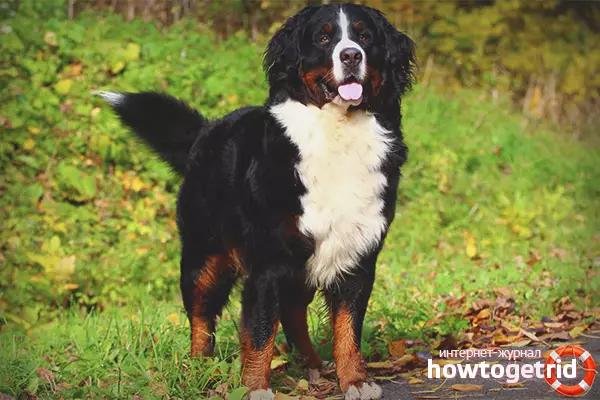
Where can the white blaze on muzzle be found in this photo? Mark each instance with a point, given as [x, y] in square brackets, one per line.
[350, 91]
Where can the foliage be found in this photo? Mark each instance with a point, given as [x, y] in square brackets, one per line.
[537, 52]
[88, 214]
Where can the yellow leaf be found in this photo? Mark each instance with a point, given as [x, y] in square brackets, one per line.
[34, 129]
[416, 381]
[63, 87]
[465, 387]
[71, 286]
[174, 319]
[380, 364]
[578, 330]
[29, 144]
[470, 247]
[302, 384]
[446, 362]
[277, 362]
[137, 184]
[117, 67]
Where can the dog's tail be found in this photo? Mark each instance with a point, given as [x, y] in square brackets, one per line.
[169, 126]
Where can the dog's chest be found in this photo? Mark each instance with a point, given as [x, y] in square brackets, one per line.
[340, 160]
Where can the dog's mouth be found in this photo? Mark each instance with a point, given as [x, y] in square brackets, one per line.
[350, 90]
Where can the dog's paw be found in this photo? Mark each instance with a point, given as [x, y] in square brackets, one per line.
[363, 391]
[260, 394]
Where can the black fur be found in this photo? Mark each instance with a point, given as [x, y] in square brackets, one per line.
[241, 191]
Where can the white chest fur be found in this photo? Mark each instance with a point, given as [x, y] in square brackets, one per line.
[340, 156]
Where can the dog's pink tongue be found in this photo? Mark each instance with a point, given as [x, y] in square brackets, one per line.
[350, 91]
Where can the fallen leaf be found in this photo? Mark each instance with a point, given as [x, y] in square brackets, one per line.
[465, 387]
[281, 396]
[446, 362]
[483, 314]
[513, 385]
[449, 343]
[381, 364]
[302, 384]
[396, 348]
[502, 291]
[553, 325]
[530, 335]
[556, 336]
[277, 362]
[416, 381]
[578, 330]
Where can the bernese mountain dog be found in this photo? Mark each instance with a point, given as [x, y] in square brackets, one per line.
[293, 196]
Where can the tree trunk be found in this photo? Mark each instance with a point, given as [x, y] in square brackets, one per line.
[71, 9]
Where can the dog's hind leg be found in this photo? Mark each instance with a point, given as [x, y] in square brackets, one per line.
[206, 282]
[260, 321]
[294, 300]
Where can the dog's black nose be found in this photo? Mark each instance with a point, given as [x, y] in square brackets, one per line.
[351, 56]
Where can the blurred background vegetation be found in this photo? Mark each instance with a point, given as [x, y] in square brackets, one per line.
[543, 54]
[499, 204]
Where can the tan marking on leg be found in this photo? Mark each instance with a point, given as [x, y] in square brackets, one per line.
[294, 320]
[349, 365]
[203, 326]
[256, 363]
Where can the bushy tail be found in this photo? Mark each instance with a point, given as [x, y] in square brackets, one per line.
[168, 125]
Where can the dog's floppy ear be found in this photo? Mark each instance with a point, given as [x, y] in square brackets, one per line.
[401, 58]
[282, 56]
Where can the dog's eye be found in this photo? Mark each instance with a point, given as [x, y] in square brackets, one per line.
[324, 39]
[364, 38]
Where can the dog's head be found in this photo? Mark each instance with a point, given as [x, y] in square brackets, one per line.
[346, 54]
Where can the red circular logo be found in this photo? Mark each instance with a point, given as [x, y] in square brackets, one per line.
[588, 365]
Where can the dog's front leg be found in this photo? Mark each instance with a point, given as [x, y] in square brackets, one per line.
[348, 304]
[260, 321]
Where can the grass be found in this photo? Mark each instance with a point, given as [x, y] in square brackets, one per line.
[89, 251]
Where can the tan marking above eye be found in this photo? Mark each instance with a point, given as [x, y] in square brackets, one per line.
[357, 26]
[328, 28]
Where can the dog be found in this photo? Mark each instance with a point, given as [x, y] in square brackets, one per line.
[294, 196]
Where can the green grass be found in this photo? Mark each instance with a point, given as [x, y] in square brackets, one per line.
[89, 250]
